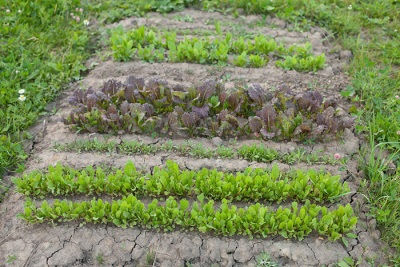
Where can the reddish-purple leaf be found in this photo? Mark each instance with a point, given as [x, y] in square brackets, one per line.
[124, 107]
[202, 112]
[232, 120]
[135, 83]
[207, 89]
[111, 87]
[222, 96]
[149, 109]
[330, 102]
[255, 124]
[256, 93]
[267, 134]
[268, 115]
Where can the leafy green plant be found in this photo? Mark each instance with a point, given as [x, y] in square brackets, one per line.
[241, 60]
[264, 46]
[310, 63]
[257, 61]
[152, 46]
[254, 220]
[348, 262]
[252, 184]
[121, 45]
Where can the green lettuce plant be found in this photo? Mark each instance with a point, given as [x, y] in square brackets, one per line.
[254, 220]
[252, 184]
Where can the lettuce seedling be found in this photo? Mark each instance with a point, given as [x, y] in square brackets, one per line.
[258, 61]
[241, 60]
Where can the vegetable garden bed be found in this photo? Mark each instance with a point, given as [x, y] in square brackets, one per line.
[257, 143]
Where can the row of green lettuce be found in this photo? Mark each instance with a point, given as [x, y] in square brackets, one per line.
[255, 220]
[253, 184]
[162, 45]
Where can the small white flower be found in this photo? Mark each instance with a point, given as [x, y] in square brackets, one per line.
[21, 92]
[8, 11]
[17, 71]
[76, 9]
[19, 11]
[397, 97]
[350, 7]
[21, 98]
[86, 22]
[81, 10]
[78, 19]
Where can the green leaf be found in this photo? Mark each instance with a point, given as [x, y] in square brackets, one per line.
[118, 214]
[184, 204]
[201, 198]
[345, 242]
[351, 235]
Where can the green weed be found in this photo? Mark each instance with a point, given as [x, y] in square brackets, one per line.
[99, 259]
[263, 260]
[150, 258]
[11, 258]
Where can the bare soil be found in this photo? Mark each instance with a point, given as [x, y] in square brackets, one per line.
[75, 244]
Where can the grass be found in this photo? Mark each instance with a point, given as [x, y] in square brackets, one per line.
[150, 258]
[42, 49]
[99, 259]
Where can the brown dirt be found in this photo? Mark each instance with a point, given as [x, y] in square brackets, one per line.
[73, 244]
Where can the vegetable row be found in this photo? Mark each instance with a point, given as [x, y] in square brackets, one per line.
[208, 110]
[252, 184]
[258, 153]
[145, 44]
[255, 220]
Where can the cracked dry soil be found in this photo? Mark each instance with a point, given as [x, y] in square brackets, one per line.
[73, 244]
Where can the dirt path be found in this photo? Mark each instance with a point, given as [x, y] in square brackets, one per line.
[74, 244]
